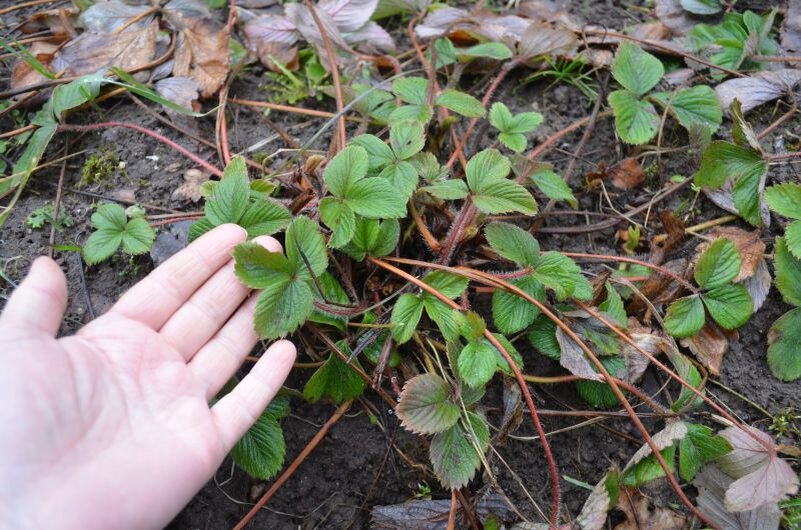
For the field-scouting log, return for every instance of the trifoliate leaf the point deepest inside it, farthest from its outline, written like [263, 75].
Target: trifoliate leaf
[503, 196]
[454, 453]
[600, 395]
[425, 405]
[785, 199]
[340, 219]
[561, 274]
[448, 190]
[373, 237]
[543, 337]
[335, 379]
[513, 243]
[450, 285]
[476, 363]
[405, 316]
[411, 89]
[260, 452]
[305, 248]
[718, 265]
[378, 153]
[685, 317]
[784, 352]
[699, 446]
[512, 313]
[406, 139]
[636, 120]
[114, 229]
[693, 107]
[282, 307]
[788, 273]
[730, 305]
[460, 103]
[637, 70]
[552, 185]
[376, 198]
[347, 168]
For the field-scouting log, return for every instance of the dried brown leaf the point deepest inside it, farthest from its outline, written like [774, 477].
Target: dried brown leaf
[791, 27]
[349, 15]
[761, 477]
[107, 17]
[641, 515]
[627, 174]
[712, 484]
[710, 345]
[596, 507]
[60, 22]
[542, 40]
[748, 244]
[190, 188]
[652, 31]
[757, 89]
[573, 359]
[91, 52]
[673, 15]
[23, 74]
[182, 91]
[758, 285]
[202, 53]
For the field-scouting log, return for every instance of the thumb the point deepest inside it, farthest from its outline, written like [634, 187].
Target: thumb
[40, 300]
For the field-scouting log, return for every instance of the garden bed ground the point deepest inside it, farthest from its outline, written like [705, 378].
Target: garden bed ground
[354, 467]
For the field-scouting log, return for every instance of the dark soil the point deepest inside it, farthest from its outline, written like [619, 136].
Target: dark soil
[357, 465]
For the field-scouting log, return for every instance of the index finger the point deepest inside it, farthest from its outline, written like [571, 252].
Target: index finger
[154, 300]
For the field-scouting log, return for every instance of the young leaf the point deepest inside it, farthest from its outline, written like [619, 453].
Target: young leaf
[454, 453]
[500, 117]
[699, 446]
[260, 452]
[637, 70]
[476, 363]
[345, 169]
[512, 313]
[229, 199]
[788, 273]
[636, 120]
[613, 306]
[406, 139]
[784, 337]
[340, 218]
[112, 229]
[514, 141]
[448, 190]
[730, 305]
[373, 237]
[693, 107]
[425, 405]
[503, 196]
[718, 265]
[460, 103]
[335, 379]
[513, 129]
[685, 317]
[513, 243]
[405, 315]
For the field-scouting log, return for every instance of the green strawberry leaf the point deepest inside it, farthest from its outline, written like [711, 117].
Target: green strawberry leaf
[718, 265]
[450, 285]
[448, 190]
[788, 273]
[685, 317]
[730, 305]
[693, 107]
[411, 90]
[561, 274]
[513, 243]
[552, 185]
[784, 352]
[460, 103]
[512, 313]
[335, 379]
[700, 445]
[636, 120]
[503, 196]
[340, 219]
[476, 363]
[406, 139]
[785, 199]
[261, 451]
[425, 405]
[406, 314]
[637, 70]
[454, 452]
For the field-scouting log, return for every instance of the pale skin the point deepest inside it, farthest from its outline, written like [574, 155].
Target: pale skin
[112, 427]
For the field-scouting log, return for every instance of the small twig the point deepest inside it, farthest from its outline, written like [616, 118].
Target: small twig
[24, 5]
[57, 203]
[341, 410]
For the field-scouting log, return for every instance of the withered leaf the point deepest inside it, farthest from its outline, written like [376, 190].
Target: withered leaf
[748, 244]
[712, 484]
[627, 174]
[108, 17]
[202, 53]
[791, 27]
[710, 345]
[190, 188]
[673, 15]
[759, 88]
[182, 91]
[23, 74]
[542, 40]
[640, 515]
[573, 359]
[91, 52]
[349, 15]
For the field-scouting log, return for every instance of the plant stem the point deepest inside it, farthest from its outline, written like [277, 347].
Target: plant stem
[662, 270]
[700, 226]
[343, 408]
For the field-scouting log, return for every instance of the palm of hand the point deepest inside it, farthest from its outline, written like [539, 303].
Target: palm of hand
[113, 425]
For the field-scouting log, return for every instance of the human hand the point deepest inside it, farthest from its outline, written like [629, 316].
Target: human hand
[111, 427]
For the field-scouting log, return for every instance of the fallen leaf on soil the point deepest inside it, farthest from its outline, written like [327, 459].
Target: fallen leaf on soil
[465, 28]
[652, 31]
[182, 91]
[512, 409]
[60, 22]
[626, 174]
[761, 477]
[710, 345]
[548, 11]
[636, 362]
[540, 40]
[433, 514]
[641, 516]
[596, 507]
[754, 90]
[791, 27]
[673, 15]
[758, 285]
[190, 187]
[23, 74]
[91, 52]
[202, 54]
[712, 484]
[573, 359]
[107, 17]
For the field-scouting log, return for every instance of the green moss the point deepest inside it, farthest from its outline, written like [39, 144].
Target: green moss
[99, 167]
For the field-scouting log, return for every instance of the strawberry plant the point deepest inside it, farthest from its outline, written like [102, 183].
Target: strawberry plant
[114, 229]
